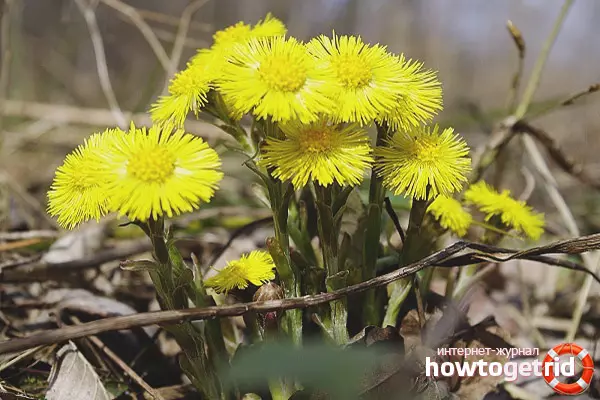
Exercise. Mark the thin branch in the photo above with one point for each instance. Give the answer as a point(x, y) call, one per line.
point(237, 233)
point(126, 368)
point(5, 52)
point(132, 14)
point(96, 117)
point(47, 234)
point(566, 102)
point(172, 20)
point(390, 211)
point(519, 42)
point(179, 44)
point(540, 63)
point(571, 246)
point(565, 162)
point(90, 18)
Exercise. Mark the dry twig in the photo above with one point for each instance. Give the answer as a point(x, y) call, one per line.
point(90, 18)
point(571, 246)
point(132, 14)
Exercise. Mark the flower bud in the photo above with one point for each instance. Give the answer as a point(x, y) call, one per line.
point(268, 291)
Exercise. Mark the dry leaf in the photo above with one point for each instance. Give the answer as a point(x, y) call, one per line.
point(72, 377)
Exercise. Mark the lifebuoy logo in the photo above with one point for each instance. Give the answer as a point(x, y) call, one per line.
point(552, 369)
point(552, 364)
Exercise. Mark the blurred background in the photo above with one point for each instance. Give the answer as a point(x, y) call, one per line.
point(54, 95)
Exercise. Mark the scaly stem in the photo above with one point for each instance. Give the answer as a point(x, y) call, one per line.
point(411, 252)
point(170, 283)
point(336, 279)
point(280, 250)
point(371, 311)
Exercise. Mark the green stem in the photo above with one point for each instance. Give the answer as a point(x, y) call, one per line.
point(172, 296)
point(371, 311)
point(411, 252)
point(292, 321)
point(538, 68)
point(328, 234)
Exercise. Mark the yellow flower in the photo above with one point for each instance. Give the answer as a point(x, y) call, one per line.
point(320, 152)
point(270, 26)
point(187, 92)
point(424, 161)
point(450, 214)
point(78, 191)
point(365, 81)
point(189, 88)
point(418, 101)
point(159, 171)
point(513, 213)
point(274, 77)
point(255, 268)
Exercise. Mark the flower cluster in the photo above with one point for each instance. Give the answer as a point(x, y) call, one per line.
point(141, 174)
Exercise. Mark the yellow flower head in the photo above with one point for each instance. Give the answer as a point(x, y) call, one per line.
point(255, 268)
point(513, 213)
point(320, 152)
point(418, 101)
point(450, 214)
point(270, 26)
point(78, 192)
point(187, 92)
point(158, 171)
point(365, 81)
point(274, 77)
point(424, 161)
point(232, 34)
point(188, 89)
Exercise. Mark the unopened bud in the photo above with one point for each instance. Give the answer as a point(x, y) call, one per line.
point(268, 291)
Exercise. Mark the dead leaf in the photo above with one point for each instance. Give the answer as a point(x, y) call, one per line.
point(72, 377)
point(77, 244)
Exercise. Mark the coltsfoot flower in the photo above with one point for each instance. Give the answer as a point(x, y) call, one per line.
point(78, 192)
point(189, 88)
point(513, 213)
point(424, 163)
point(365, 81)
point(419, 99)
point(274, 78)
point(451, 215)
point(187, 92)
point(255, 267)
point(319, 152)
point(159, 172)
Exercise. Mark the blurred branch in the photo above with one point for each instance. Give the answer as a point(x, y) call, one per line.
point(90, 18)
point(541, 166)
point(566, 102)
point(96, 117)
point(517, 37)
point(171, 20)
point(563, 161)
point(8, 236)
point(540, 63)
point(570, 246)
point(178, 45)
point(143, 27)
point(5, 53)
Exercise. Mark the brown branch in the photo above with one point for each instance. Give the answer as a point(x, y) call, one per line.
point(570, 246)
point(564, 161)
point(564, 103)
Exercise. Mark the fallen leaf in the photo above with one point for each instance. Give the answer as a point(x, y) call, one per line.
point(72, 377)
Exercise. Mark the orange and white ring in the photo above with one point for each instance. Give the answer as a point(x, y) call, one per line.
point(586, 376)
